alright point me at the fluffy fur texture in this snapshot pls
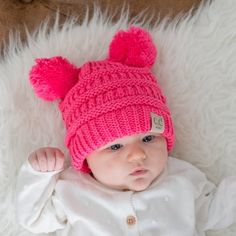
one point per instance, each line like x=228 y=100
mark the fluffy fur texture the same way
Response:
x=196 y=69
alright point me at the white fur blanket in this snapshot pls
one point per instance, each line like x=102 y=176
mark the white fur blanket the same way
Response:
x=196 y=68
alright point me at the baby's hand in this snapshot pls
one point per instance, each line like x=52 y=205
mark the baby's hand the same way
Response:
x=47 y=159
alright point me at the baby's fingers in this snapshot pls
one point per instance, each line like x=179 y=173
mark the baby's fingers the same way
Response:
x=51 y=161
x=47 y=159
x=34 y=162
x=42 y=160
x=60 y=157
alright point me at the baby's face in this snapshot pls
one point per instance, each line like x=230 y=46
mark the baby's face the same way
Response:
x=130 y=163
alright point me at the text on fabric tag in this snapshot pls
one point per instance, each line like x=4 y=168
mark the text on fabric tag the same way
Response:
x=157 y=123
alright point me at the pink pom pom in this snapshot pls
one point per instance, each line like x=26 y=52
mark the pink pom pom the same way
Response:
x=52 y=78
x=134 y=48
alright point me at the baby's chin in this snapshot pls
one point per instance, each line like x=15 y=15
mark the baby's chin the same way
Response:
x=137 y=189
x=138 y=185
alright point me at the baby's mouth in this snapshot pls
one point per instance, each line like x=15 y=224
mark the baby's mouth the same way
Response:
x=139 y=172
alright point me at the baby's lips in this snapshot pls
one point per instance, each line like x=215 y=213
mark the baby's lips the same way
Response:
x=139 y=171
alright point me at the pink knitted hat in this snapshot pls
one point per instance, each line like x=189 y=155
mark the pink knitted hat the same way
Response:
x=105 y=100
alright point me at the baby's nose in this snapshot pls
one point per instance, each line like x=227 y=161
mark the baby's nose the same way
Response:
x=136 y=155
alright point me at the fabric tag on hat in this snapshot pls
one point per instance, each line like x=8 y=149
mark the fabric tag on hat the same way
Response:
x=157 y=123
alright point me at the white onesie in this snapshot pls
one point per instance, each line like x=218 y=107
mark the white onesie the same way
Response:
x=181 y=202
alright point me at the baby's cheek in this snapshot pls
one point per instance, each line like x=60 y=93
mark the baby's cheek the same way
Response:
x=160 y=164
x=112 y=170
x=105 y=168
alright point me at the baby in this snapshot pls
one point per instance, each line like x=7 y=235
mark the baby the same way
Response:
x=119 y=134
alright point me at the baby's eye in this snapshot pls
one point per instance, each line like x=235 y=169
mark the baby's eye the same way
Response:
x=115 y=147
x=148 y=138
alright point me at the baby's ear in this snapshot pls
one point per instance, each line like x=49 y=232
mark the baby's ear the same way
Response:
x=52 y=78
x=133 y=48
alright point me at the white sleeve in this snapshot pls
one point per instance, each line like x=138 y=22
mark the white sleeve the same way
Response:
x=37 y=208
x=216 y=208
